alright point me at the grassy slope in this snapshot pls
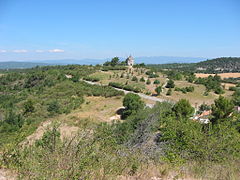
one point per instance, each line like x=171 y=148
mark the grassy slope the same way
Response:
x=194 y=97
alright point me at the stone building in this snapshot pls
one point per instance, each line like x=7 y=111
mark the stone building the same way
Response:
x=130 y=61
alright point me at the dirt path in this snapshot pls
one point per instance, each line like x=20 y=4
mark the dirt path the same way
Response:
x=6 y=175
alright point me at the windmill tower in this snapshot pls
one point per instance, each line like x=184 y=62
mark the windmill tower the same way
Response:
x=130 y=61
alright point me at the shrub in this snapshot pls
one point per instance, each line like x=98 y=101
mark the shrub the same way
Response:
x=148 y=82
x=156 y=81
x=132 y=104
x=183 y=109
x=221 y=109
x=134 y=78
x=28 y=107
x=93 y=79
x=170 y=84
x=142 y=79
x=158 y=90
x=54 y=107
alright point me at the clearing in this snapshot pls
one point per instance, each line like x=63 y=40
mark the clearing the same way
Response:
x=222 y=75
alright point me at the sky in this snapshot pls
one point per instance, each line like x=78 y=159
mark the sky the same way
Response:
x=76 y=29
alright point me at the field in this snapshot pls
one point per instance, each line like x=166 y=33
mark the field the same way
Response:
x=222 y=75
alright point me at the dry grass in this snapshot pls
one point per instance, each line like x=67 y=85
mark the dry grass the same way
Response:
x=97 y=109
x=222 y=75
x=196 y=97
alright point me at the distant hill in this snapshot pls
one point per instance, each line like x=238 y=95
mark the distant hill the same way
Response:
x=223 y=64
x=168 y=59
x=20 y=65
x=218 y=65
x=146 y=60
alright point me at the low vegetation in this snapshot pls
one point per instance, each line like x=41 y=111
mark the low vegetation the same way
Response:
x=165 y=137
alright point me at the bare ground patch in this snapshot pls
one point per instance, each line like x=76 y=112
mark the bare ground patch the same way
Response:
x=222 y=75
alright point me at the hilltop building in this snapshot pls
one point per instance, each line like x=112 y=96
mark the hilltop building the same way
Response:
x=130 y=61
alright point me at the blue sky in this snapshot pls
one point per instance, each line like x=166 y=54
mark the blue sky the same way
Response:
x=75 y=29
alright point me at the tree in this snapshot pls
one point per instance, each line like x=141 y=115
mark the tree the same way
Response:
x=156 y=81
x=135 y=79
x=158 y=90
x=236 y=97
x=132 y=103
x=114 y=61
x=148 y=82
x=204 y=107
x=170 y=84
x=142 y=79
x=221 y=109
x=28 y=107
x=183 y=109
x=219 y=90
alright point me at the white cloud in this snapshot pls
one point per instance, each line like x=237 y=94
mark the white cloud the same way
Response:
x=56 y=50
x=39 y=51
x=20 y=51
x=2 y=51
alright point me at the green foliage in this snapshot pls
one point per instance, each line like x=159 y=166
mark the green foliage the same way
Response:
x=211 y=83
x=158 y=90
x=183 y=109
x=132 y=104
x=213 y=66
x=93 y=79
x=50 y=139
x=142 y=79
x=185 y=89
x=156 y=81
x=151 y=74
x=54 y=107
x=28 y=107
x=204 y=107
x=190 y=77
x=125 y=87
x=170 y=84
x=148 y=82
x=115 y=62
x=221 y=110
x=12 y=122
x=42 y=92
x=134 y=78
x=236 y=97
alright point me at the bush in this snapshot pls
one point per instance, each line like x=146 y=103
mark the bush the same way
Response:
x=134 y=78
x=170 y=84
x=148 y=82
x=93 y=79
x=132 y=104
x=28 y=106
x=232 y=88
x=183 y=109
x=156 y=82
x=54 y=107
x=158 y=90
x=142 y=79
